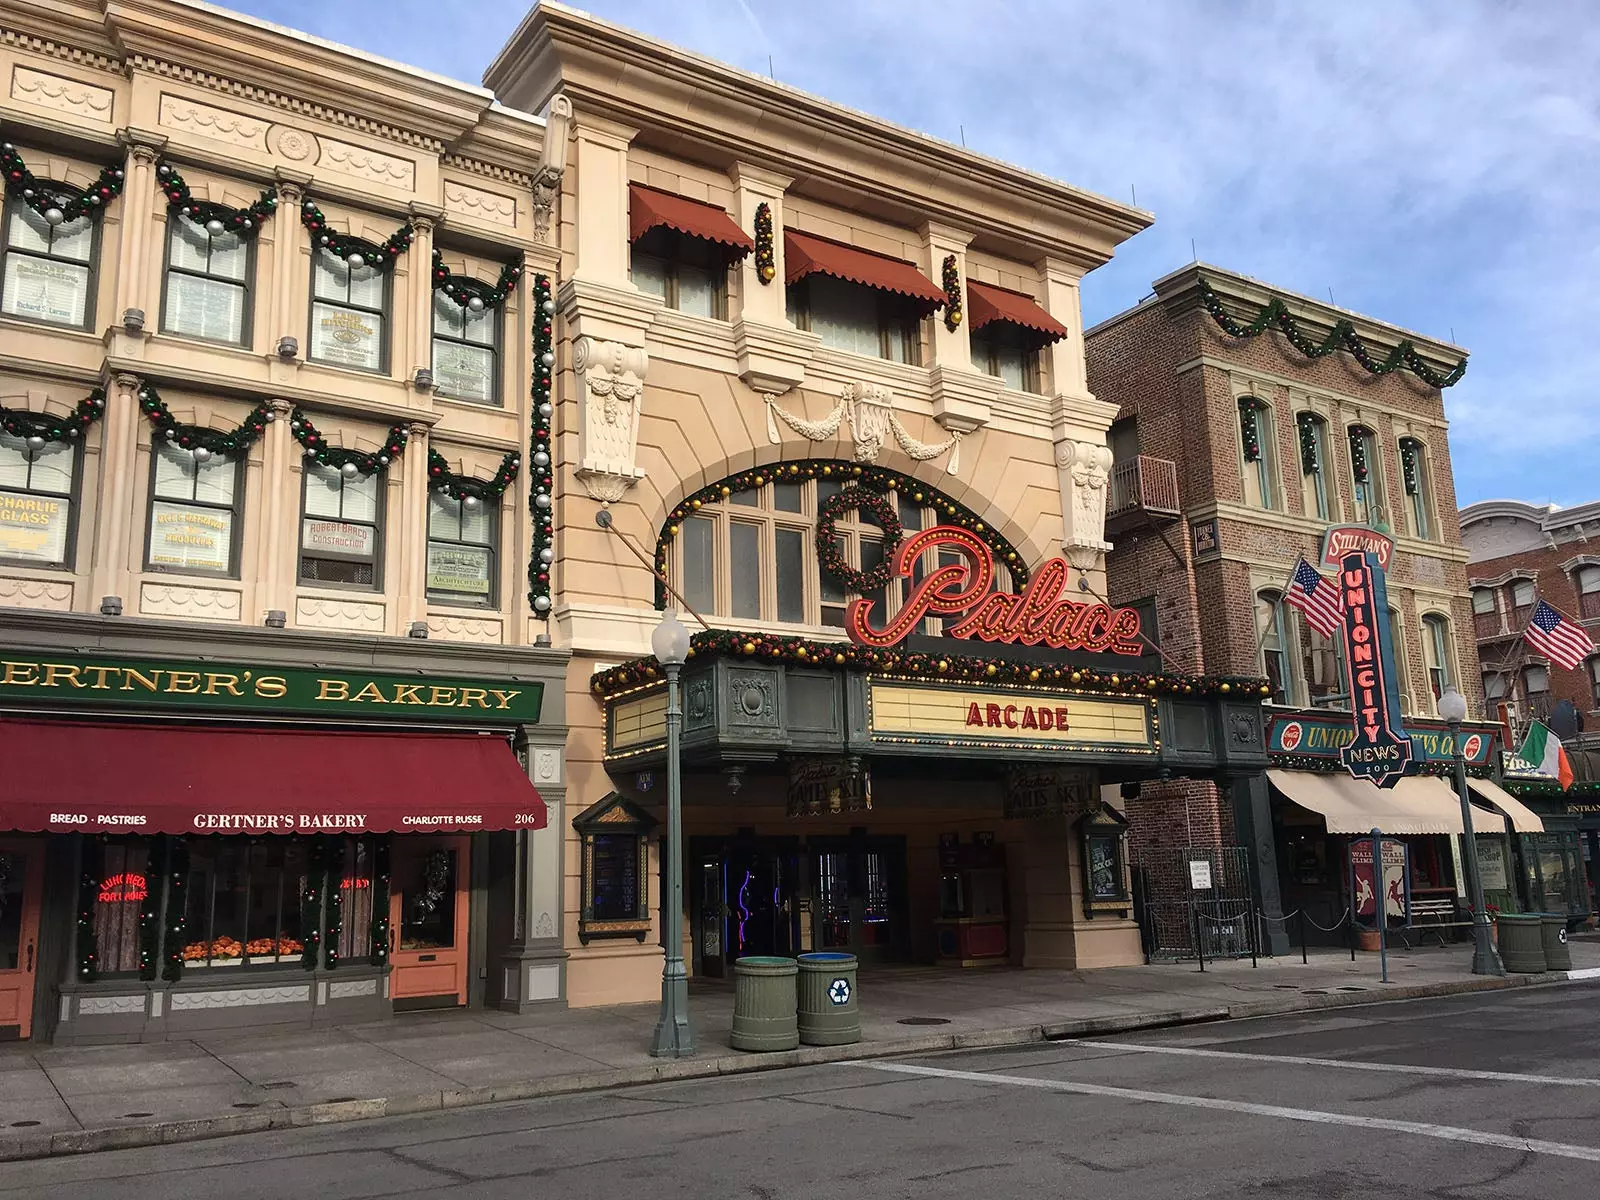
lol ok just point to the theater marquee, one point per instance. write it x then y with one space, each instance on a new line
1046 719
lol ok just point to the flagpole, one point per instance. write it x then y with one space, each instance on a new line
1261 637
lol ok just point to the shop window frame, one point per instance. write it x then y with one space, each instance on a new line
438 304
492 511
614 816
377 524
247 285
91 285
73 498
384 313
238 460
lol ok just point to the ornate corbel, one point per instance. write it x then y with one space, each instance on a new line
546 183
611 381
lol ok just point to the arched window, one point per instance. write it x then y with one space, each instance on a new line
1271 630
1436 653
1587 579
1402 665
1258 445
748 553
1418 487
1366 475
1485 612
1315 486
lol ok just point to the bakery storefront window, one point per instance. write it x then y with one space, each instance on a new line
243 903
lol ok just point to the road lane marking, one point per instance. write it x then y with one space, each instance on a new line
1446 1133
1343 1064
1584 973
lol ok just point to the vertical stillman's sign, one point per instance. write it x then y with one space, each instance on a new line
1381 751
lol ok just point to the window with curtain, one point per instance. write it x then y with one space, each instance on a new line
341 538
856 318
1006 350
48 272
37 493
1271 629
1436 653
1258 445
1485 612
463 548
123 891
1494 686
349 314
1402 665
194 511
1366 474
689 274
207 287
1323 667
1587 579
1593 667
466 351
1414 478
1523 594
1314 484
1536 686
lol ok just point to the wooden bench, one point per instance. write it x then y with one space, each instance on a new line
1432 916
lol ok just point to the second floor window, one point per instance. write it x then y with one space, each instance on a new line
1436 653
1315 487
1258 445
1009 352
1536 687
859 320
194 512
1272 629
1414 475
47 275
466 351
349 314
1588 581
341 537
1366 471
36 508
207 285
689 273
1494 687
461 551
1594 679
1523 593
1485 614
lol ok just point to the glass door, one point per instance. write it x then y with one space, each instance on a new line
21 878
857 900
710 914
428 904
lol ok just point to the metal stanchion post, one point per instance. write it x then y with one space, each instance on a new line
1305 959
1199 939
1255 934
1350 932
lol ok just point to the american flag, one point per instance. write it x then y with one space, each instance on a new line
1562 641
1317 599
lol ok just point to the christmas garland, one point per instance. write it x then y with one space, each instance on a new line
379 953
349 463
1250 428
311 903
1409 448
877 479
1552 790
951 282
356 251
334 873
1329 765
43 197
829 558
473 294
1306 424
724 643
465 488
36 429
541 479
215 219
1358 453
88 897
766 258
174 858
199 440
1343 335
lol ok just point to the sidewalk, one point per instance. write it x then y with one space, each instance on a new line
80 1099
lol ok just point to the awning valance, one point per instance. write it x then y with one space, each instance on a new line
806 254
1523 818
986 303
150 778
1416 804
650 208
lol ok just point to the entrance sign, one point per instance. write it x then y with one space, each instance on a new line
1381 750
1396 879
1041 616
826 786
1340 540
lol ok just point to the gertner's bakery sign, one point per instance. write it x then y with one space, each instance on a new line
1042 615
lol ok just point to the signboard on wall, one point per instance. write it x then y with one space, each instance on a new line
1380 750
34 528
1313 735
1049 792
952 715
1340 540
191 539
825 786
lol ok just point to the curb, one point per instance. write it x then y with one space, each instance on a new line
163 1133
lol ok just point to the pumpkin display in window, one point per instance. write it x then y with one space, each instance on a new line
289 945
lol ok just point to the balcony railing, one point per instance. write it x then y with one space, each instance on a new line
1487 625
1143 491
1589 606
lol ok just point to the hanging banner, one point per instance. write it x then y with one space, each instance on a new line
1381 750
1396 879
820 787
1058 792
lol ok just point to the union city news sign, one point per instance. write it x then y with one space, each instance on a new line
1381 750
1041 615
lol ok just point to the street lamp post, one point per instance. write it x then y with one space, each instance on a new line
674 1038
1485 961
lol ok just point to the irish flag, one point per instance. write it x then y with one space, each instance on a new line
1543 749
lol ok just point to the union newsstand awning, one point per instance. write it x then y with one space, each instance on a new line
68 777
1416 803
1523 818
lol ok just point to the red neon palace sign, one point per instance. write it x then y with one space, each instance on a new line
1041 616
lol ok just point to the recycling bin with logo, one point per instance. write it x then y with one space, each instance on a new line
1557 951
1521 942
764 1004
828 1015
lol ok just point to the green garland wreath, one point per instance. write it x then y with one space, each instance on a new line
379 925
203 442
348 462
868 503
215 219
88 896
951 280
541 477
766 258
356 251
473 294
465 488
44 198
1343 335
1307 426
175 866
35 429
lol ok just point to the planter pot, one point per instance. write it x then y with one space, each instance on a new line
1369 940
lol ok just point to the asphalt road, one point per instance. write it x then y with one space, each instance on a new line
1491 1095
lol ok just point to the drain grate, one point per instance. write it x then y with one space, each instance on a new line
1315 992
923 1021
1348 988
281 1083
248 1104
136 1115
24 1124
1292 987
341 1100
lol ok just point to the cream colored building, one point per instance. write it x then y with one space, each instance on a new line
694 299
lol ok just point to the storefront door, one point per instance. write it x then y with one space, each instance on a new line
428 919
744 901
21 881
857 905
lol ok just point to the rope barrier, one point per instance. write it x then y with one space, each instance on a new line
1335 927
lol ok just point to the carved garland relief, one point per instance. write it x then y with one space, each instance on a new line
869 409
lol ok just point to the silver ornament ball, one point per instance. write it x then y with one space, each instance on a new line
201 454
310 453
545 410
542 501
541 603
356 260
349 470
548 358
475 304
541 459
214 227
547 556
36 443
549 307
54 216
469 502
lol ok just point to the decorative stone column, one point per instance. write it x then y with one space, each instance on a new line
533 971
275 571
418 350
114 561
292 273
411 601
139 204
773 354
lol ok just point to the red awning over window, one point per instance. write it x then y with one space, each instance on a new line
649 208
806 254
986 302
146 778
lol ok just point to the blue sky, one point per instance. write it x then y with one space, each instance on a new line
1434 165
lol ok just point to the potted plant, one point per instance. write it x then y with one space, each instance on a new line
1370 940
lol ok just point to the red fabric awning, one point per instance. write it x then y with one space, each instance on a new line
806 254
649 208
986 302
147 778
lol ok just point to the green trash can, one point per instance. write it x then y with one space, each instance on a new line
828 1014
763 1004
1521 942
1557 951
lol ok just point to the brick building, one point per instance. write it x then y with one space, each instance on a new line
1232 455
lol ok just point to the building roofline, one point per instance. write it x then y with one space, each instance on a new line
1546 517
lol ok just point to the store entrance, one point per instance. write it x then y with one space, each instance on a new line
428 922
746 901
859 885
21 882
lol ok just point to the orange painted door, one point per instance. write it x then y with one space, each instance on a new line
428 902
21 884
